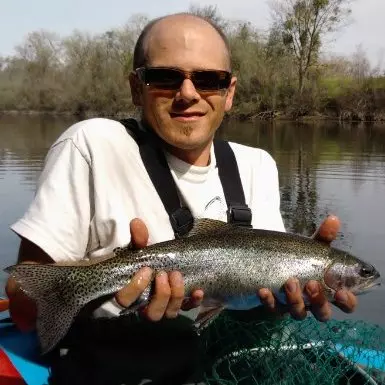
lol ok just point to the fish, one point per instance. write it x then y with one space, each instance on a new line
228 262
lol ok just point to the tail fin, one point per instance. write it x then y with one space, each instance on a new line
55 299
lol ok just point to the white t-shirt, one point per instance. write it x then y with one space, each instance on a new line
94 183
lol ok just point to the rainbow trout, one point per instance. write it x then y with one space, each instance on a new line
229 263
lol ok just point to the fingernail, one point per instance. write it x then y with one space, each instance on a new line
292 285
161 273
312 289
177 278
263 293
343 297
147 272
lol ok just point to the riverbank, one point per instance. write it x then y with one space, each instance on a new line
345 116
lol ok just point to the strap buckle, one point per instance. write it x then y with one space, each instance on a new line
182 221
239 215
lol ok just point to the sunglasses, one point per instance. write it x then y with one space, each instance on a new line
167 78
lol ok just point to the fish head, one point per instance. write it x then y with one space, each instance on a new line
350 273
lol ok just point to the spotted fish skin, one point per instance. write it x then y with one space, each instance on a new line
229 263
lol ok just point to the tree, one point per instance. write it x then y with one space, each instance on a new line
360 65
303 25
41 54
209 12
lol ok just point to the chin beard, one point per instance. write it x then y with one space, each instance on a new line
186 130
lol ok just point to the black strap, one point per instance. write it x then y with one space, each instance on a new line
157 167
237 210
159 172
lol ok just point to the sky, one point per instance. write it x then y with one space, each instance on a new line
19 17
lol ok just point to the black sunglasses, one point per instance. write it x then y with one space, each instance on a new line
168 78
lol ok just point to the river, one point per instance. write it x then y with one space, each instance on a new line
324 168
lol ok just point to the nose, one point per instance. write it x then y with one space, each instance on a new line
187 92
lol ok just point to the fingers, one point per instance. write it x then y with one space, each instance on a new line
168 297
158 305
294 298
194 301
320 306
139 233
267 299
177 294
169 288
346 301
129 294
328 229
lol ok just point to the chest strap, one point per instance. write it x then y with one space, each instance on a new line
237 210
159 172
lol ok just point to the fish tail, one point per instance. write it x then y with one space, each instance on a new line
55 299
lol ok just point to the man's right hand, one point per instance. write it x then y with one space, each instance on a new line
169 294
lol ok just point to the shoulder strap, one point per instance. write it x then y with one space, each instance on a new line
238 212
157 167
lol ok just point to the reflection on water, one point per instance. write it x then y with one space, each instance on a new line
324 167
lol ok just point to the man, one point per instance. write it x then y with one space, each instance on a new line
94 184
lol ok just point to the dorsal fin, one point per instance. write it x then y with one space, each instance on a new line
203 226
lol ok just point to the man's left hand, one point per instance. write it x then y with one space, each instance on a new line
320 306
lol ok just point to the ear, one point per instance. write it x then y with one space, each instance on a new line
136 89
230 94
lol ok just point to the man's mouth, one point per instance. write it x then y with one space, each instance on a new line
187 116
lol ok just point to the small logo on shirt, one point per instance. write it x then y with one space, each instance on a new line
214 208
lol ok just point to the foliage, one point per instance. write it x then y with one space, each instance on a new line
303 24
87 74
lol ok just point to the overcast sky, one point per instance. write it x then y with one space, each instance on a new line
19 17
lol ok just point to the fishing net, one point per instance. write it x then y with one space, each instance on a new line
242 351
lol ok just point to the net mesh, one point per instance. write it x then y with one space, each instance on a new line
243 351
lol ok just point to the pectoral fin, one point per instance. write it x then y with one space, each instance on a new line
206 316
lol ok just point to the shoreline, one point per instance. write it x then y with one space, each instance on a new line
266 116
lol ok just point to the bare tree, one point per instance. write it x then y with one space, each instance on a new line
209 12
304 23
360 65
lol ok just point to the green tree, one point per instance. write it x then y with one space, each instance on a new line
304 23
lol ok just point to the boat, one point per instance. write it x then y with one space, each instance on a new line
20 361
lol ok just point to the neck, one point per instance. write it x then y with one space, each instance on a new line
197 157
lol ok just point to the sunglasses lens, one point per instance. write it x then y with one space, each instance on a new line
163 78
172 79
211 80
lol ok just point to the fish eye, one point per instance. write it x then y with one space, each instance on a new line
367 271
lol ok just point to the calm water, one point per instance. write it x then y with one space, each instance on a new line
324 168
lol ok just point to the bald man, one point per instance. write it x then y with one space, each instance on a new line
94 193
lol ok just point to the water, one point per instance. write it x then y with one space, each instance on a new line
324 168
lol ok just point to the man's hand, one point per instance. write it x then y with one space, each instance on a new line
169 293
320 306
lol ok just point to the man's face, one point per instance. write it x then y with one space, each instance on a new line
185 118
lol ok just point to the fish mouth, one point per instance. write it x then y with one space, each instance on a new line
368 288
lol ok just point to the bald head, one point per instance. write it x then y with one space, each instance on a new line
182 31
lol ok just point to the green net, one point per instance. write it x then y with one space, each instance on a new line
242 351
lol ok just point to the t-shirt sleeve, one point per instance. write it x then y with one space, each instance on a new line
58 219
270 202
